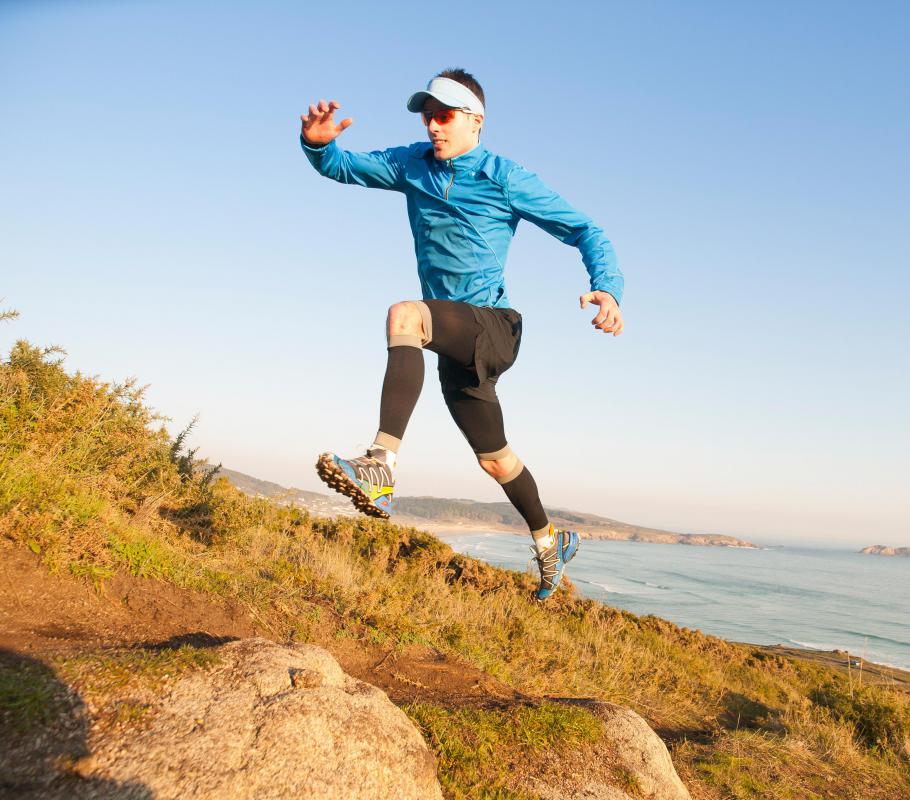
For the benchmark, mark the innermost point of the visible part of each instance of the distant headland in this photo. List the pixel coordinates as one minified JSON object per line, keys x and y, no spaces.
{"x":440,"y":514}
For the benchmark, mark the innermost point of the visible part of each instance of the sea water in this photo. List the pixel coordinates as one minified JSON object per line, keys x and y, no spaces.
{"x":823,"y":599}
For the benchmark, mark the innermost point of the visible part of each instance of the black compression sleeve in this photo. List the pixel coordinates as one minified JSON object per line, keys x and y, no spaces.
{"x":400,"y":389}
{"x":522,"y":493}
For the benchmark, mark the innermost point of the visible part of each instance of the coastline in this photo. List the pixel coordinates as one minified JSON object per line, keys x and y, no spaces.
{"x":847,"y":663}
{"x":456,"y":527}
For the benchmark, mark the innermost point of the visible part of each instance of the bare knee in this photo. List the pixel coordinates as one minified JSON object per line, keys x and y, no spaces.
{"x":404,"y":320}
{"x":499,"y":468}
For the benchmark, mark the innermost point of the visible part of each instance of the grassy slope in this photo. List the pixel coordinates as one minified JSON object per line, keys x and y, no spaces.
{"x":86,"y":482}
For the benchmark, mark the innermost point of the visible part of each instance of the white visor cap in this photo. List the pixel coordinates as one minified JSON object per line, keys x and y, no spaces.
{"x":449,"y":93}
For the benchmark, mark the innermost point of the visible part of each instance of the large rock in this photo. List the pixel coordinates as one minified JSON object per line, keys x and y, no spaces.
{"x":628,"y":747}
{"x":642,"y":753}
{"x":270,"y":722}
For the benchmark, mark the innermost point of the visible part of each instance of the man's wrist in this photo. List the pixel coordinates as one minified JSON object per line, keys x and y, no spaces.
{"x":312,"y":145}
{"x":612,"y":288}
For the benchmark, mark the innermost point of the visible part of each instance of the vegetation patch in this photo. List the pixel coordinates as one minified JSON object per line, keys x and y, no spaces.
{"x":29,"y":694}
{"x":478,"y":749}
{"x":109,"y":673}
{"x":880,"y":718}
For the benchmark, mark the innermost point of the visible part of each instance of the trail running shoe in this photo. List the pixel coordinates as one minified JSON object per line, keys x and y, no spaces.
{"x":366,"y":480}
{"x":552,"y":561}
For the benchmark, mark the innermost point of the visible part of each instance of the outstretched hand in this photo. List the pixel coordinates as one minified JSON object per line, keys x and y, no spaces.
{"x":318,"y":127}
{"x":609,"y":318}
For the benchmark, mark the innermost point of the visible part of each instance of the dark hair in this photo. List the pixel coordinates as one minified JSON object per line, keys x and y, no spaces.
{"x":465,"y":79}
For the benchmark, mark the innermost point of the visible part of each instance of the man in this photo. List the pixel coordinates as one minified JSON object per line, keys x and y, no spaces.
{"x":464,"y":204}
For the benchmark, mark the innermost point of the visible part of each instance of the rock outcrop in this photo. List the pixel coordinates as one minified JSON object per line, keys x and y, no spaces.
{"x":276,"y":721}
{"x":270,"y":722}
{"x":883,"y":550}
{"x":630,"y":747}
{"x":642,"y":753}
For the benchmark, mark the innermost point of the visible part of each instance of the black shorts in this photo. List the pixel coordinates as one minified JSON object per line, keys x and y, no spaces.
{"x":475,"y":345}
{"x":495,"y":338}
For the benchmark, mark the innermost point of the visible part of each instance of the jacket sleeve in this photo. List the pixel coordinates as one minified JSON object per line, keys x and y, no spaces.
{"x":532,"y":200}
{"x":380,"y":169}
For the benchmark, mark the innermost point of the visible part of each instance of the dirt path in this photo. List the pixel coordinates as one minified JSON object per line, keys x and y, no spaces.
{"x":67,"y":653}
{"x":43,"y":616}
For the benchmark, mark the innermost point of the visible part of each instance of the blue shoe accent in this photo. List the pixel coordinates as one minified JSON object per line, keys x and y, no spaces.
{"x":385,"y":503}
{"x":346,"y":467}
{"x":552,"y":562}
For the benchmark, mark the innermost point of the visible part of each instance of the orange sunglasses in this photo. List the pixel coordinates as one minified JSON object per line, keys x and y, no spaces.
{"x":443,"y":117}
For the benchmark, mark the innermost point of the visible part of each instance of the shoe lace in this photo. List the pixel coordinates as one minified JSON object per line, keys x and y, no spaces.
{"x":376,"y":471}
{"x":546,"y":563}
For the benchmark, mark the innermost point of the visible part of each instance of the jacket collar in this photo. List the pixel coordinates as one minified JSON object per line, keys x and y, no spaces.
{"x":465,"y":161}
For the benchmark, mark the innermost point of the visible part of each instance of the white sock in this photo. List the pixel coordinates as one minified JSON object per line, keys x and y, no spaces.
{"x":544,"y":539}
{"x":388,"y":457}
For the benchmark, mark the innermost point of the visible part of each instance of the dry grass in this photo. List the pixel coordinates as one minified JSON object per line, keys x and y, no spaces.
{"x":88,"y":483}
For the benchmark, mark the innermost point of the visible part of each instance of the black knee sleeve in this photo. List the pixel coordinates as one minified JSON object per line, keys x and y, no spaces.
{"x":479,"y":420}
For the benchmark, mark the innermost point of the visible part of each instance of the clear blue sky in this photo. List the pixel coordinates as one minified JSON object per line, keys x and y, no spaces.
{"x":748,"y":161}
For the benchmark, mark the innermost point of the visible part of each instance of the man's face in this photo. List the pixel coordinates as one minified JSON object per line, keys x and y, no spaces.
{"x":460,"y":134}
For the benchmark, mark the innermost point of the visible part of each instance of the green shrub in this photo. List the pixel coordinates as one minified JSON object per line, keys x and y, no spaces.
{"x":880,"y":718}
{"x":477,"y":746}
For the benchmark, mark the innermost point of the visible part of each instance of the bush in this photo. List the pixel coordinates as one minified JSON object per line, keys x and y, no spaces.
{"x":879,"y":718}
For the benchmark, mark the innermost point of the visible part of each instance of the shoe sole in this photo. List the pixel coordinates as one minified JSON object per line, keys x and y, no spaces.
{"x":336,"y":478}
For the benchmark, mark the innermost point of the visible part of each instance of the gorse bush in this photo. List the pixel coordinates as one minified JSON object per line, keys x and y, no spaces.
{"x":880,"y":718}
{"x":76,"y":455}
{"x":91,"y":481}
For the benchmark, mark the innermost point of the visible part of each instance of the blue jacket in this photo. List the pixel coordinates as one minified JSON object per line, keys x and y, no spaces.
{"x":464,"y":212}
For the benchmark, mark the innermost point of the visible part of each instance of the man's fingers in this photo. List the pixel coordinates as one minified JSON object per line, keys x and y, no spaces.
{"x":616,"y":327}
{"x":585,"y":299}
{"x":610,"y":322}
{"x":322,"y":107}
{"x":343,"y":124}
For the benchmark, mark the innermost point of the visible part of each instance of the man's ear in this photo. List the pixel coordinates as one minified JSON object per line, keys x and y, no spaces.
{"x":478,"y":119}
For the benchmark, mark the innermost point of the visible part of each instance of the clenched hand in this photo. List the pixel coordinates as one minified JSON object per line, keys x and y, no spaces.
{"x":609,"y":318}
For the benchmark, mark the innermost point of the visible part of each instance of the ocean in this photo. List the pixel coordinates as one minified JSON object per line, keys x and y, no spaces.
{"x":807,"y":597}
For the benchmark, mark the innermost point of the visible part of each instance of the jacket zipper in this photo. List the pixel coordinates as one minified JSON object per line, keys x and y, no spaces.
{"x":446,"y":195}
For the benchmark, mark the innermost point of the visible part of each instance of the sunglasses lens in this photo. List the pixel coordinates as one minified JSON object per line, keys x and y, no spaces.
{"x":442,"y":117}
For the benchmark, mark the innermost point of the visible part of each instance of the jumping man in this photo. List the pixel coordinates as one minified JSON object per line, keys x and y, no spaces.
{"x":464,"y":204}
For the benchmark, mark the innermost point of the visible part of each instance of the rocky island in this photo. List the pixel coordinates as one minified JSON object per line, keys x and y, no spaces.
{"x":882,"y":550}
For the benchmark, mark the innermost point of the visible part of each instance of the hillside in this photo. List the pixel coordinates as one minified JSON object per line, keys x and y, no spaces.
{"x":131,"y":563}
{"x":447,"y":514}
